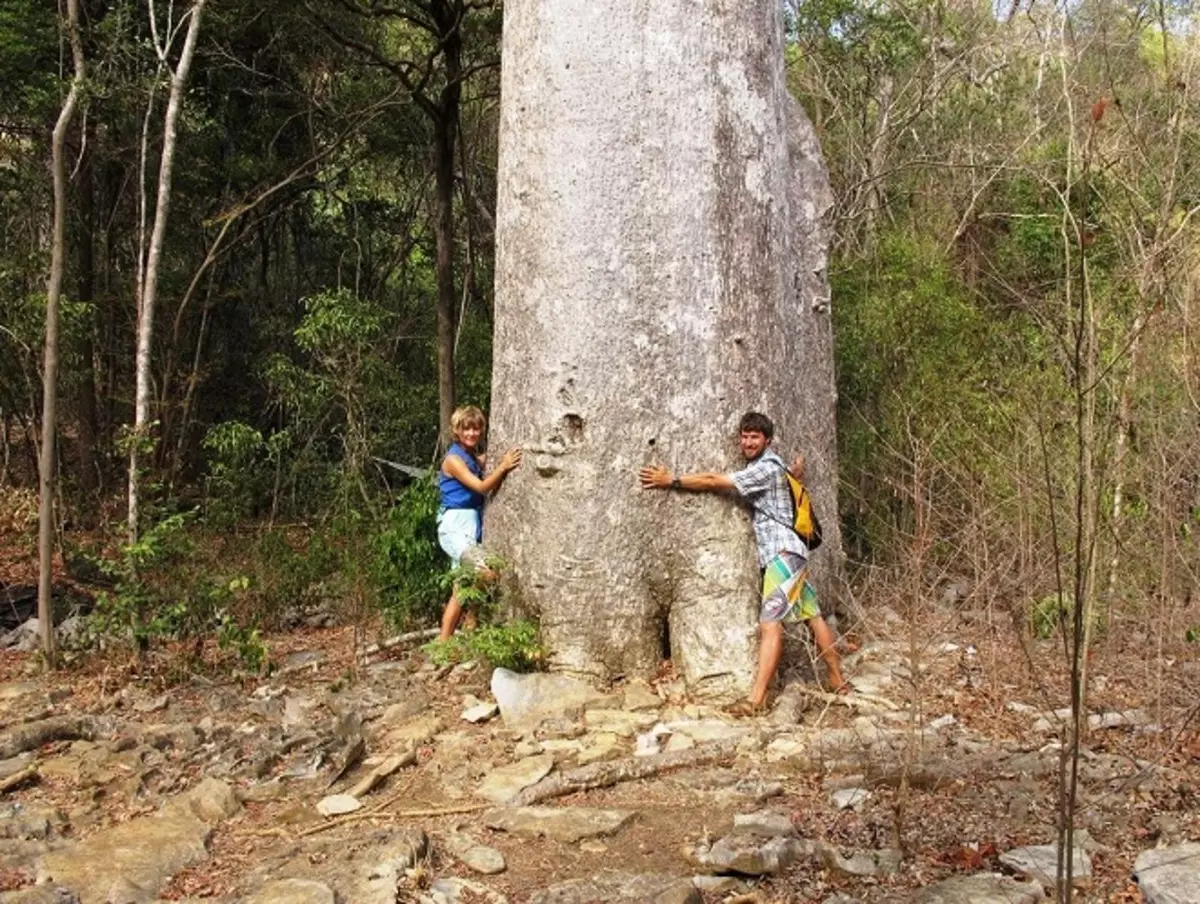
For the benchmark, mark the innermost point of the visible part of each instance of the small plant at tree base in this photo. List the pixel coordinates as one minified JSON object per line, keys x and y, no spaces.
{"x":245,"y":642}
{"x":1048,"y":612}
{"x":514,"y":645}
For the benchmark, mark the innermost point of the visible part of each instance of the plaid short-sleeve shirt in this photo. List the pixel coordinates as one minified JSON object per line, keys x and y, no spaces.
{"x":764,"y":488}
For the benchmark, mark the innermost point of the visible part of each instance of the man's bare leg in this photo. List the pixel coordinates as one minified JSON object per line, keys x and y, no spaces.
{"x":450,"y":617}
{"x":770,"y":650}
{"x":827,"y":646}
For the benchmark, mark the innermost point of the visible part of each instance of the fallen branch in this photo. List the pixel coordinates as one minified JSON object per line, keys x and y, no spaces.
{"x":61,"y":728}
{"x":18,"y":778}
{"x":602,"y":775}
{"x":377,"y":813}
{"x":410,"y":637}
{"x":855,"y":699}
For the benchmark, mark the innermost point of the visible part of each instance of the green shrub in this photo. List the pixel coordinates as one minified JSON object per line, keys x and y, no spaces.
{"x":515,"y":645}
{"x":408,"y":567}
{"x":1046,"y":613}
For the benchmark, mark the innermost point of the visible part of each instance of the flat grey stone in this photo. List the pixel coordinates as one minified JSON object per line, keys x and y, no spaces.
{"x":138,"y":857}
{"x":851,"y":798}
{"x":639,"y":696}
{"x":650,"y":888}
{"x":769,"y":823}
{"x":504,"y":783}
{"x":293,"y":891}
{"x":750,"y":855}
{"x":1039,"y":862}
{"x":525,"y":700}
{"x":1170,"y":875}
{"x":565,"y":824}
{"x":862,"y":863}
{"x":338,"y":804}
{"x":480,"y":712}
{"x":983,"y":888}
{"x":479,"y":857}
{"x":461,"y":891}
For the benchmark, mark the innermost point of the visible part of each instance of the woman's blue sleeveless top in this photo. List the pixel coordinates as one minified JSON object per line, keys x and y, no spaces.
{"x":454,"y":494}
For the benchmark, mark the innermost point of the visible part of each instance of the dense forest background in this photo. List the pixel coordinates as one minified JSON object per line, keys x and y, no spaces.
{"x":1014,"y":274}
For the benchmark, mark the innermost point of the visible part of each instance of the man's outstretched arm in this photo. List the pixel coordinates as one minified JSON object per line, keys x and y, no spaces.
{"x":659,"y":478}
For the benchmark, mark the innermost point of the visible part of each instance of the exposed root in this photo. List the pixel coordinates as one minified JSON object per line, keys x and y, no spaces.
{"x":61,"y":728}
{"x":602,"y":775}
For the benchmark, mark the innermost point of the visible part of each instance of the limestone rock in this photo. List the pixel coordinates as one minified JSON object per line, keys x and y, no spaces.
{"x":413,"y":732}
{"x":851,"y":798}
{"x":598,"y":747}
{"x":210,"y":801}
{"x":618,"y":721}
{"x":293,"y":891}
{"x":705,"y":730}
{"x":1040,"y":863}
{"x":565,"y":824}
{"x":142,"y":853}
{"x":750,"y":855}
{"x":640,"y":696}
{"x":525,"y":700}
{"x":983,"y":888}
{"x":40,"y":894}
{"x":397,"y":761}
{"x":650,"y":888}
{"x":338,"y":805}
{"x":678,"y":742}
{"x":862,"y":863}
{"x":461,"y":891}
{"x":479,"y":857}
{"x":480,"y":712}
{"x":787,"y":747}
{"x":504,"y":783}
{"x":415,"y":702}
{"x":1170,"y":875}
{"x":768,"y":823}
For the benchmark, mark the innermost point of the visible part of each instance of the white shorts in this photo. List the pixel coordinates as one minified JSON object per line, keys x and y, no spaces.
{"x":457,"y":530}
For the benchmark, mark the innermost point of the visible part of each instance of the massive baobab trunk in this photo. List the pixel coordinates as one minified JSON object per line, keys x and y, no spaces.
{"x":660,"y":270}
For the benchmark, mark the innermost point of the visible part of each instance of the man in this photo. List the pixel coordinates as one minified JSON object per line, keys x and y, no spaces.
{"x":782,"y":555}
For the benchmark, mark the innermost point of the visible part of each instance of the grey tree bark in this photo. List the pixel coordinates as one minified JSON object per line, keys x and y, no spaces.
{"x":660,"y":270}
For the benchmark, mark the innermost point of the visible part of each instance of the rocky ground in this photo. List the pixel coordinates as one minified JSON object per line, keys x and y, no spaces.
{"x":396,"y":781}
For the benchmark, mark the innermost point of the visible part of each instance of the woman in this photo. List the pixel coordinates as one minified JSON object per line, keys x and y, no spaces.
{"x":463,"y":488}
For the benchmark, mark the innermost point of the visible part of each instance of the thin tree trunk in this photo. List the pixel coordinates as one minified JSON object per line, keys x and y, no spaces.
{"x":87,"y":424}
{"x":145,"y":331}
{"x":443,"y":153}
{"x":50,"y":372}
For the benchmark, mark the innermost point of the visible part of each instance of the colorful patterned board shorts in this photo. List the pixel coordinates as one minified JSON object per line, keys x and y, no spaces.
{"x":786,"y":593}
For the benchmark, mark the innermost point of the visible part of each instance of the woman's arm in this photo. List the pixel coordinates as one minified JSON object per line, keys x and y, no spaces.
{"x":455,"y":467}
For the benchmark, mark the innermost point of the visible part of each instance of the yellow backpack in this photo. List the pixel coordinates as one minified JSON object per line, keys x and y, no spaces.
{"x":804,"y":520}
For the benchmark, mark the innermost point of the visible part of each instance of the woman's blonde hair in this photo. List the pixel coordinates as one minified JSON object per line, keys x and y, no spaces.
{"x":466,"y":416}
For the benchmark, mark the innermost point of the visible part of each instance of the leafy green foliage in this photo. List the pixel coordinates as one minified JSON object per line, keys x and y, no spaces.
{"x":408,"y":565}
{"x":515,"y":645}
{"x":1049,"y":613}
